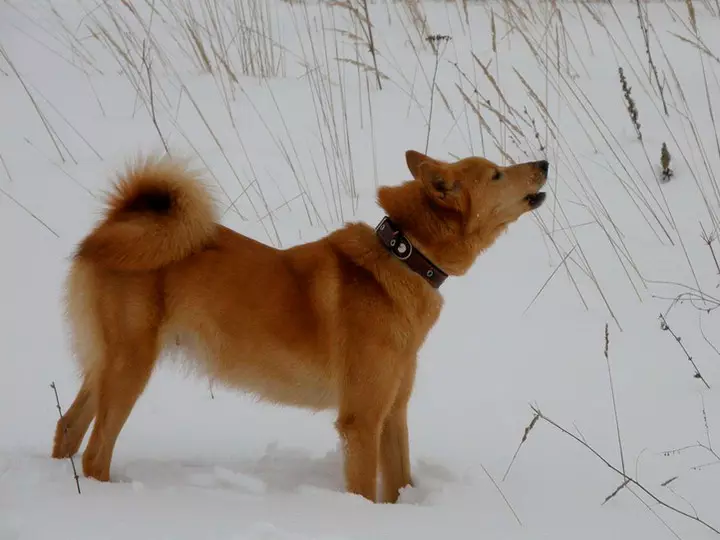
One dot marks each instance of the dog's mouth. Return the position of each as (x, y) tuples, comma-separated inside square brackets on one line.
[(535, 200)]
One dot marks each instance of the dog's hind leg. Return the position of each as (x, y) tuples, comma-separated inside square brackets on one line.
[(124, 375), (130, 318), (73, 425)]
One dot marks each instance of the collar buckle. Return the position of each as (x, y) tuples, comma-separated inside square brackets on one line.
[(395, 242)]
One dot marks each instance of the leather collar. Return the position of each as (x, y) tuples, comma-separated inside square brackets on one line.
[(393, 239)]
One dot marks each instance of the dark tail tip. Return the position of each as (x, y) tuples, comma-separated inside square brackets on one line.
[(157, 201)]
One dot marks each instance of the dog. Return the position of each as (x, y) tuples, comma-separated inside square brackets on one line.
[(334, 324)]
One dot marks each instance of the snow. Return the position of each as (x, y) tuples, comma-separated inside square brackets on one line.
[(194, 465)]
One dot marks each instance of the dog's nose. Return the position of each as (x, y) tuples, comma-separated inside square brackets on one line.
[(543, 165)]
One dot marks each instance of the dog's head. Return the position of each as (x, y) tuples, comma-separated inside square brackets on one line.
[(456, 210)]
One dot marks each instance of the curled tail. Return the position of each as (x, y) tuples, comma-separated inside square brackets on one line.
[(158, 213)]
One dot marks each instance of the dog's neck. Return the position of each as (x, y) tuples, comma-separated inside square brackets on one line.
[(404, 250), (441, 234)]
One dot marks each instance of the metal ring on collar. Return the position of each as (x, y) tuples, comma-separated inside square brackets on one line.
[(400, 246)]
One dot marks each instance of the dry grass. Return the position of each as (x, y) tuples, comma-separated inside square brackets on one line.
[(468, 87), (231, 39)]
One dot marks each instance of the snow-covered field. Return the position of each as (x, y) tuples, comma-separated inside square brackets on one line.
[(280, 103)]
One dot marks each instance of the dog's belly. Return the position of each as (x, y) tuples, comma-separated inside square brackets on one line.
[(296, 389), (272, 375)]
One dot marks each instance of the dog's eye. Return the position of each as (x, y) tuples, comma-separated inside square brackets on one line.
[(497, 175)]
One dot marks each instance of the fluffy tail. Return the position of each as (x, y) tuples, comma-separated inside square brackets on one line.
[(159, 213)]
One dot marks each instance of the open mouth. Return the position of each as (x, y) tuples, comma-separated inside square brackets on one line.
[(535, 200)]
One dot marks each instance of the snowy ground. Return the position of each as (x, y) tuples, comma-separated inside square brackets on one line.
[(302, 150)]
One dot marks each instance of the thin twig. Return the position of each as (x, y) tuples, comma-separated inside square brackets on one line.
[(435, 41), (707, 425), (371, 42), (524, 438), (654, 513), (48, 128), (630, 480), (651, 62), (72, 461), (502, 495), (664, 326), (669, 481), (612, 393), (617, 490), (562, 262), (147, 63), (13, 199), (7, 170), (709, 238)]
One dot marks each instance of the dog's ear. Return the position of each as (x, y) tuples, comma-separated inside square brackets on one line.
[(434, 177), (414, 161)]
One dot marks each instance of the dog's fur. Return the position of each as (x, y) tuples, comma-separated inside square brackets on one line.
[(331, 324)]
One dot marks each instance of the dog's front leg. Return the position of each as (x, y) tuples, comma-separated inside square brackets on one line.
[(394, 444), (368, 394), (360, 434), (395, 454)]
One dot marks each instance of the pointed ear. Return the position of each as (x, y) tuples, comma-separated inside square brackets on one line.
[(414, 160), (430, 172)]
